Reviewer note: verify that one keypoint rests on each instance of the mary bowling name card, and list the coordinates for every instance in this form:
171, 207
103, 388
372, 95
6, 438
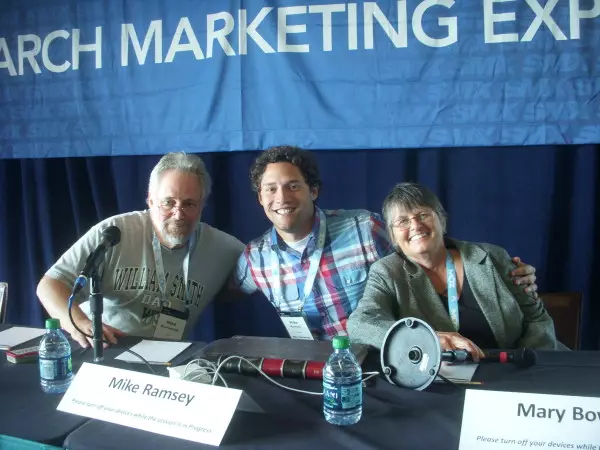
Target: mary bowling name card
511, 420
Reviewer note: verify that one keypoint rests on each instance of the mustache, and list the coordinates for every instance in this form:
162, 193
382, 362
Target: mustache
176, 222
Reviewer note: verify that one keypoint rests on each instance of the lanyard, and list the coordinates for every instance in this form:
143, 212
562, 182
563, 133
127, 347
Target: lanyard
160, 268
315, 262
452, 290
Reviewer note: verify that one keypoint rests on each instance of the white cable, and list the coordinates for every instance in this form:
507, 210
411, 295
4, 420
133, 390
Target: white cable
208, 368
205, 368
371, 375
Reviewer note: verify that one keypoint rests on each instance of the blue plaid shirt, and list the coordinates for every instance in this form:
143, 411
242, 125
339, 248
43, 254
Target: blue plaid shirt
354, 240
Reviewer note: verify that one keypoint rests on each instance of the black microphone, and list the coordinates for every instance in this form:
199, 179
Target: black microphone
110, 236
522, 357
457, 356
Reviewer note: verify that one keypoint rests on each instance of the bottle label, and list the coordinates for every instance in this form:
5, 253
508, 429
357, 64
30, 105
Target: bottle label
342, 397
56, 369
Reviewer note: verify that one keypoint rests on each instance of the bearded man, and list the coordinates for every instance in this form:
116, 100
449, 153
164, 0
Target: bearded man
167, 267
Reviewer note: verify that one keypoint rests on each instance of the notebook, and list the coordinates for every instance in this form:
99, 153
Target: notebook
278, 348
16, 336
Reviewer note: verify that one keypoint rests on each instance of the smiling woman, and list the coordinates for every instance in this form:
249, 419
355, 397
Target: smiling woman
462, 289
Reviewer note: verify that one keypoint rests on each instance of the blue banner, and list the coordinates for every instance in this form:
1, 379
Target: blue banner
87, 77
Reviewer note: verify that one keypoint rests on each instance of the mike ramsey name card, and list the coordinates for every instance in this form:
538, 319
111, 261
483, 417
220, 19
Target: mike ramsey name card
182, 409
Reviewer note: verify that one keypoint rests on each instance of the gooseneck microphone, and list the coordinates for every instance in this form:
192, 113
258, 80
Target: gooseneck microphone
411, 355
111, 236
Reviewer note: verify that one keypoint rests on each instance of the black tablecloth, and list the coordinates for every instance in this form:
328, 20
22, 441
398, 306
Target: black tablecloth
29, 413
393, 417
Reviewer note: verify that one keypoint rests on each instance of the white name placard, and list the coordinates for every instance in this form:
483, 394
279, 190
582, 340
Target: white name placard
182, 409
510, 420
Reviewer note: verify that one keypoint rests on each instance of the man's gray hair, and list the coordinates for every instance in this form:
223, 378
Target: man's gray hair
182, 162
411, 196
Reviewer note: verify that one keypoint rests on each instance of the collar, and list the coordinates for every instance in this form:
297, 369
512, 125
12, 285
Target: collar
275, 241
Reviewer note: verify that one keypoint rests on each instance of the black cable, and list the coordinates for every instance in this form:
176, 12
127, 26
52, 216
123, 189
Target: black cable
452, 383
104, 341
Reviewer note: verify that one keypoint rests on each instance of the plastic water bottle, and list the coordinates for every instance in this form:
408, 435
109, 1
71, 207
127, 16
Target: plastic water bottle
342, 385
56, 369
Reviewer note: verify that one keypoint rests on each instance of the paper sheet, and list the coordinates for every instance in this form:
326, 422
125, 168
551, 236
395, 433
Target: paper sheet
458, 373
17, 335
155, 352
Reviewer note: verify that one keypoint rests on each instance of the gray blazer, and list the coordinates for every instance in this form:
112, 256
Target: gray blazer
398, 288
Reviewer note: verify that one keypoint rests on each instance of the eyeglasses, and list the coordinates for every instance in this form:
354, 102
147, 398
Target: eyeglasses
404, 223
169, 205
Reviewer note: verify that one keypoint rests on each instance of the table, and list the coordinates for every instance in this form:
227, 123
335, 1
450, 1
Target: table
29, 413
393, 417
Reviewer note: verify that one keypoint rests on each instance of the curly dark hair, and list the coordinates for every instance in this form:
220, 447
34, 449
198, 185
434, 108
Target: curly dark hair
303, 159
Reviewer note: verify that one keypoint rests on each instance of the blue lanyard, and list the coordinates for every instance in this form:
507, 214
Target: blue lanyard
452, 290
315, 262
160, 268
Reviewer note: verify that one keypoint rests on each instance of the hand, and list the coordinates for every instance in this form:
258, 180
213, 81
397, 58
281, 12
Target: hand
524, 275
454, 341
109, 333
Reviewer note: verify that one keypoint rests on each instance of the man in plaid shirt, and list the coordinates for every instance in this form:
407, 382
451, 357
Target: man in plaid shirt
312, 264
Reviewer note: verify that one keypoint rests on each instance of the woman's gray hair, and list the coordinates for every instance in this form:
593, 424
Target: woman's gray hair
182, 162
409, 197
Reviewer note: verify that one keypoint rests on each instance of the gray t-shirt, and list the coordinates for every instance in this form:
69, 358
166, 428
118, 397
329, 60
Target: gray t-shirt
132, 297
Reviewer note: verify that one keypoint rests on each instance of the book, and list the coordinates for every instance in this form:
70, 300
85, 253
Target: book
23, 355
16, 336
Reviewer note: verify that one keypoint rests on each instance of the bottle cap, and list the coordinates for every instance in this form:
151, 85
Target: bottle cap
52, 324
341, 342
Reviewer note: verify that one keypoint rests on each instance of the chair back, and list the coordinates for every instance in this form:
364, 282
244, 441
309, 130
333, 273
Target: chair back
565, 310
3, 301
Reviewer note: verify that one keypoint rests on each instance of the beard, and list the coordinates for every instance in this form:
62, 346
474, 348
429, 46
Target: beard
176, 233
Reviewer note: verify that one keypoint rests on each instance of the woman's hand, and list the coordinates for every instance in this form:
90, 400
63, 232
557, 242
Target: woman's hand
454, 341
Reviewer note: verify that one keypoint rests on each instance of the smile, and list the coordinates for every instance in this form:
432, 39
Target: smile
418, 236
284, 211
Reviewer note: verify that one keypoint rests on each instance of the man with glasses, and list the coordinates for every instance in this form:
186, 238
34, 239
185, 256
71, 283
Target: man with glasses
166, 269
312, 265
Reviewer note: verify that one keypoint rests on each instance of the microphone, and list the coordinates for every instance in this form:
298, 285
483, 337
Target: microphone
275, 367
411, 355
522, 357
110, 236
457, 356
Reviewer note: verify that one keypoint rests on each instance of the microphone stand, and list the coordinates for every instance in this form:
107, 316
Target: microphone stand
97, 308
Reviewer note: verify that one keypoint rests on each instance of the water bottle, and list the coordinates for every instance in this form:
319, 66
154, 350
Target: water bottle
56, 369
342, 385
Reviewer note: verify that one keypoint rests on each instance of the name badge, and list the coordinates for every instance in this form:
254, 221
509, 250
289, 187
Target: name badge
171, 324
296, 326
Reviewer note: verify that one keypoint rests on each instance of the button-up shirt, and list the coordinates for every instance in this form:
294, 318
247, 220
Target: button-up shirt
354, 240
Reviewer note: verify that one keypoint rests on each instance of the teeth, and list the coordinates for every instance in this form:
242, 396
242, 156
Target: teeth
418, 236
284, 211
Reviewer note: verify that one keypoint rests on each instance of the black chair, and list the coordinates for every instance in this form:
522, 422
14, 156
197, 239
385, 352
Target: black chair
565, 310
